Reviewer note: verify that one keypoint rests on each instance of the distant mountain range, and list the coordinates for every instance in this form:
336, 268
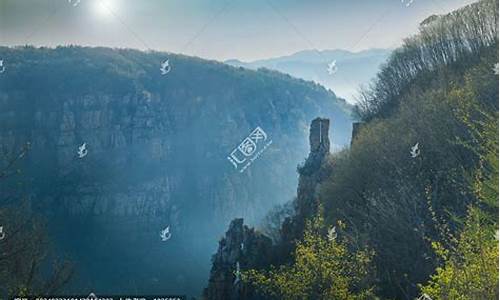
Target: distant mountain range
353, 68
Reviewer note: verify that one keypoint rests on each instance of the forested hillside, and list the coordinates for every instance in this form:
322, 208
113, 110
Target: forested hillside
411, 209
118, 152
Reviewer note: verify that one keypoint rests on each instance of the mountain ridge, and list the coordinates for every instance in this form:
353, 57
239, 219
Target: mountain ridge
354, 69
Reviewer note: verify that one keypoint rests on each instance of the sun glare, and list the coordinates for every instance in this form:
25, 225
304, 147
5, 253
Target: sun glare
104, 8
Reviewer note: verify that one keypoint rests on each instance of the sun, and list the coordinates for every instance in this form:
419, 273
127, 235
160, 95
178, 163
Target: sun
104, 8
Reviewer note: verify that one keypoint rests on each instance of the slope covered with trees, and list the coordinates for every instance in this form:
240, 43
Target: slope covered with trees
429, 216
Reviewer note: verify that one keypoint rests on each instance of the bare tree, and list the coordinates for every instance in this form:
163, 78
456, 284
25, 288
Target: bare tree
24, 245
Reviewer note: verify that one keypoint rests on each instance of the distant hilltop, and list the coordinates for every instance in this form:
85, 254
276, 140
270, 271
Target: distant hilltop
352, 68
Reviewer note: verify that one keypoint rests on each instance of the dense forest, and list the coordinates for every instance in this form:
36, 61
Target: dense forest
411, 209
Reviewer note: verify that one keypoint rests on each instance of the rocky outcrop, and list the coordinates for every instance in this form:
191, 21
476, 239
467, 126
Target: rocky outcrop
259, 253
319, 141
241, 249
319, 144
311, 174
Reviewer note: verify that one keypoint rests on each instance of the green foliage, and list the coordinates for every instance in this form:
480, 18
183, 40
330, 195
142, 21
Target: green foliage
450, 110
323, 268
384, 192
438, 90
470, 270
470, 261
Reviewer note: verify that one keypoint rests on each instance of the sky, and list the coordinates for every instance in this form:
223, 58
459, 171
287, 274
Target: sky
217, 29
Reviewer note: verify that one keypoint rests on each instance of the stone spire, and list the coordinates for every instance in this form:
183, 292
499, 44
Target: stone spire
319, 143
318, 136
311, 175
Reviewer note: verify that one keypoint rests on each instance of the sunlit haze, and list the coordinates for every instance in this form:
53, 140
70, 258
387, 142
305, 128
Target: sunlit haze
216, 29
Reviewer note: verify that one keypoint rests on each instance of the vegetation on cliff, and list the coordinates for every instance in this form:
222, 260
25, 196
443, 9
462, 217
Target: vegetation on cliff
323, 268
469, 259
429, 218
27, 266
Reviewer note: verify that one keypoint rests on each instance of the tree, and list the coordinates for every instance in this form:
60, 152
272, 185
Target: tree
24, 247
469, 267
24, 256
442, 41
323, 268
470, 270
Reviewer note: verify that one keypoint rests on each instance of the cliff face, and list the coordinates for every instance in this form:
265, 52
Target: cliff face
241, 249
315, 170
228, 256
157, 152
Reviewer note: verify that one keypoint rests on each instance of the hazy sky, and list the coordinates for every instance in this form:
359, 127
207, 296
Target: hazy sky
217, 29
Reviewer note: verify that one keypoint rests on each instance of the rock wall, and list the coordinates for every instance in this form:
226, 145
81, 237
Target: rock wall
241, 249
261, 253
316, 169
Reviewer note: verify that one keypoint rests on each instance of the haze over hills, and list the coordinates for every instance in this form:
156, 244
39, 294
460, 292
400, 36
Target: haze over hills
353, 68
157, 155
122, 166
